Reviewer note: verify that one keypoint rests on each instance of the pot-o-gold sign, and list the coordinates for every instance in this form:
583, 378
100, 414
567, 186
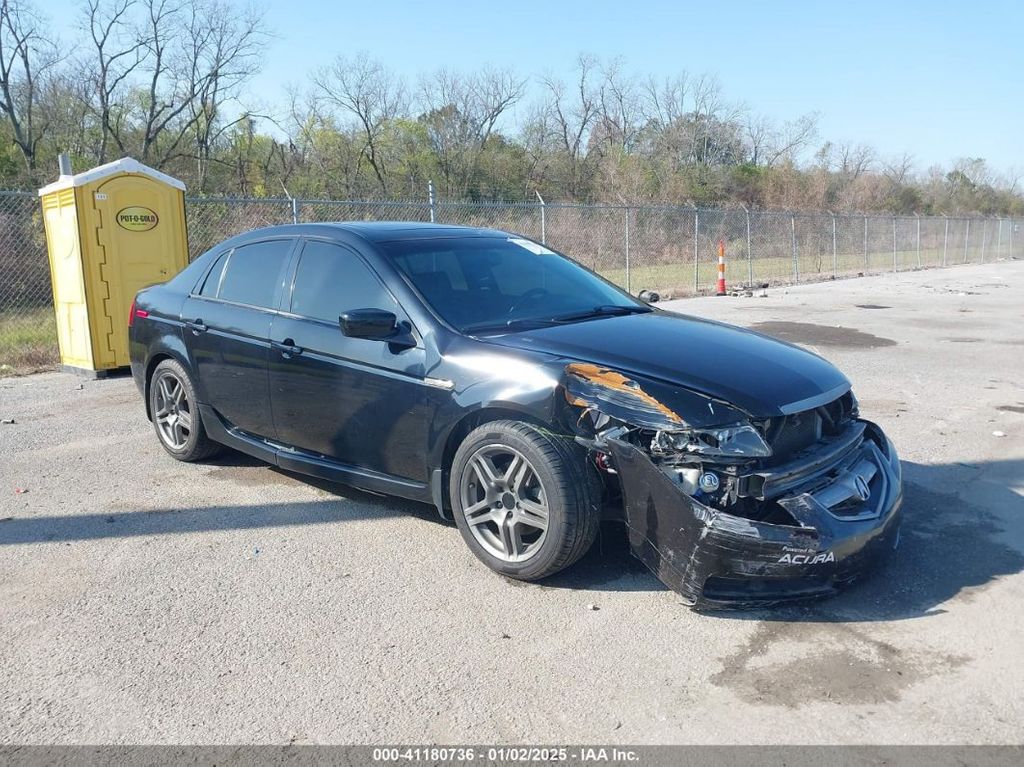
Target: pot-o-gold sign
137, 219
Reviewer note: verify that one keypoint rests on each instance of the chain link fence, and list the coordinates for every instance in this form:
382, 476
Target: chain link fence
671, 250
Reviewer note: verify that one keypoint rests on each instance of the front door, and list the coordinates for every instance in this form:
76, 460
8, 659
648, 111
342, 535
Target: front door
227, 332
354, 400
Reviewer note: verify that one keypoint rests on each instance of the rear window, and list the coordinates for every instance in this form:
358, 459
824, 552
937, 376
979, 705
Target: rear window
253, 273
212, 282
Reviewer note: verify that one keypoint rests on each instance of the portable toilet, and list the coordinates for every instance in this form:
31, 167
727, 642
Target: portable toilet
110, 232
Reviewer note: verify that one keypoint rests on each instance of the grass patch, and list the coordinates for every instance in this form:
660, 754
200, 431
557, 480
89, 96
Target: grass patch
28, 341
678, 279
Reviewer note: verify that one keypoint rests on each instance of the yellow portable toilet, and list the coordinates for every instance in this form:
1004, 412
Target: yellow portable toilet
110, 232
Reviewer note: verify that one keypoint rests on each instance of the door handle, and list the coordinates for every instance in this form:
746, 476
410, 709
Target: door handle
287, 347
196, 326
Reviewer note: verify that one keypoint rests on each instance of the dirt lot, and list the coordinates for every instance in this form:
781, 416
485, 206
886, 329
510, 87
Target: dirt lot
147, 601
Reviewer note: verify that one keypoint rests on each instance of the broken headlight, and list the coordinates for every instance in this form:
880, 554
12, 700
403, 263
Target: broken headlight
736, 441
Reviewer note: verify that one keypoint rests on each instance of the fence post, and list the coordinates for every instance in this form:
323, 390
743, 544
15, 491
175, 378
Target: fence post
696, 249
796, 263
543, 222
918, 240
628, 289
984, 238
750, 258
295, 211
945, 239
867, 266
967, 239
835, 252
999, 239
895, 268
430, 198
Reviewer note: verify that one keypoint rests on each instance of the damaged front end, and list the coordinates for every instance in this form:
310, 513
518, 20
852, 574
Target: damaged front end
729, 509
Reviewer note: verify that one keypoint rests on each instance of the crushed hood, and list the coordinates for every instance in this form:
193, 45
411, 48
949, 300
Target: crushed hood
760, 375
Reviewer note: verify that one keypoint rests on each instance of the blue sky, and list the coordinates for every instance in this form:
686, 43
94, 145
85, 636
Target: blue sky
941, 80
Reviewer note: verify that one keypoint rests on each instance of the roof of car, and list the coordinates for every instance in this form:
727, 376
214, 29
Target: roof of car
385, 231
380, 231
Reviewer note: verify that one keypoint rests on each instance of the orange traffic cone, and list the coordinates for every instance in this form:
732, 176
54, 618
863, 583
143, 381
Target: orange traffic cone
721, 267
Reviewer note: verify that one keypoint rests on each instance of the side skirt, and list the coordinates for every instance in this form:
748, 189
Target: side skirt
312, 465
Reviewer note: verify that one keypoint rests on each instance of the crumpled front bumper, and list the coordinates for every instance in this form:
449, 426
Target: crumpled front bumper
846, 500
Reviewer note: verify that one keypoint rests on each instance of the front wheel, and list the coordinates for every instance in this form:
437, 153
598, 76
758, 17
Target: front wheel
175, 412
524, 499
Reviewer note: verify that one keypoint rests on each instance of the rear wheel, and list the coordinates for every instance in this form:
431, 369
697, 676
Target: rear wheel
176, 419
524, 499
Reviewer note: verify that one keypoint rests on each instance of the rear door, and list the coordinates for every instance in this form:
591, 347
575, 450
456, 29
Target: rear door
357, 401
227, 331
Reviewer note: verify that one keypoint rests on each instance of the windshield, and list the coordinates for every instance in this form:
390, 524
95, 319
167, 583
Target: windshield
493, 284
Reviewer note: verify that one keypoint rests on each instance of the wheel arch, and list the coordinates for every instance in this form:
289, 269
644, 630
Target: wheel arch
459, 431
151, 364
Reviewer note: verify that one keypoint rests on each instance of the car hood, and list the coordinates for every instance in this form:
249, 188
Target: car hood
760, 375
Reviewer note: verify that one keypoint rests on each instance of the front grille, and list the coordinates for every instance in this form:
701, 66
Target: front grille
790, 434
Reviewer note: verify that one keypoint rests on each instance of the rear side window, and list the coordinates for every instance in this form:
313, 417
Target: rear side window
331, 280
253, 273
213, 278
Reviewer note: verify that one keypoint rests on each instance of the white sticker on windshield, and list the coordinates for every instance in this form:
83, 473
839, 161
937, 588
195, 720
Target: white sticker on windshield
533, 247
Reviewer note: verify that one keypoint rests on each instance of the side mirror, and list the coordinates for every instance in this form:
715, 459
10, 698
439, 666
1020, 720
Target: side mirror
372, 324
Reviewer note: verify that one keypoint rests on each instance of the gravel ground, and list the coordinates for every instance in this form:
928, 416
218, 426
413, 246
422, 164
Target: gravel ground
148, 601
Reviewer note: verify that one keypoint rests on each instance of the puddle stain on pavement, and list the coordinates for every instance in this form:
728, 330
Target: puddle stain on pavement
794, 664
837, 650
822, 335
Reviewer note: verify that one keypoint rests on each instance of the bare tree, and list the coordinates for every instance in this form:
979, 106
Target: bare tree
117, 51
161, 71
65, 102
855, 160
461, 113
694, 124
27, 59
666, 101
758, 131
973, 169
373, 95
621, 107
222, 56
568, 117
198, 54
715, 135
666, 105
1011, 179
770, 145
899, 169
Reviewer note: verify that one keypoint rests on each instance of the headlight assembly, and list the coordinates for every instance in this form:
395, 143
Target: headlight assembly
736, 441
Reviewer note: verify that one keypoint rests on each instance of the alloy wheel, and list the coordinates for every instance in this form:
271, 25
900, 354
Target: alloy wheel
172, 410
504, 503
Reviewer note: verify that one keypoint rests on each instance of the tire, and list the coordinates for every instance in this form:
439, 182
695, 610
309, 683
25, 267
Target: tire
176, 420
499, 519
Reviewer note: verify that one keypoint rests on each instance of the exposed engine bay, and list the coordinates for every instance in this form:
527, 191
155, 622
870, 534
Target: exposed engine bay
729, 508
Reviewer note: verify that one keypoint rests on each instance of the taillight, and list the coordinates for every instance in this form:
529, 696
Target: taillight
133, 313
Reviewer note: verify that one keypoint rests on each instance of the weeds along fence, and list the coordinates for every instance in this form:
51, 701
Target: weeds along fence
672, 250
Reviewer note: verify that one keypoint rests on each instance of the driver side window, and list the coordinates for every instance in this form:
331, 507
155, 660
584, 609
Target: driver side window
331, 279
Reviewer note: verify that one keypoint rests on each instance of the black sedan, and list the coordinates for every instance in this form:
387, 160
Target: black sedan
525, 397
